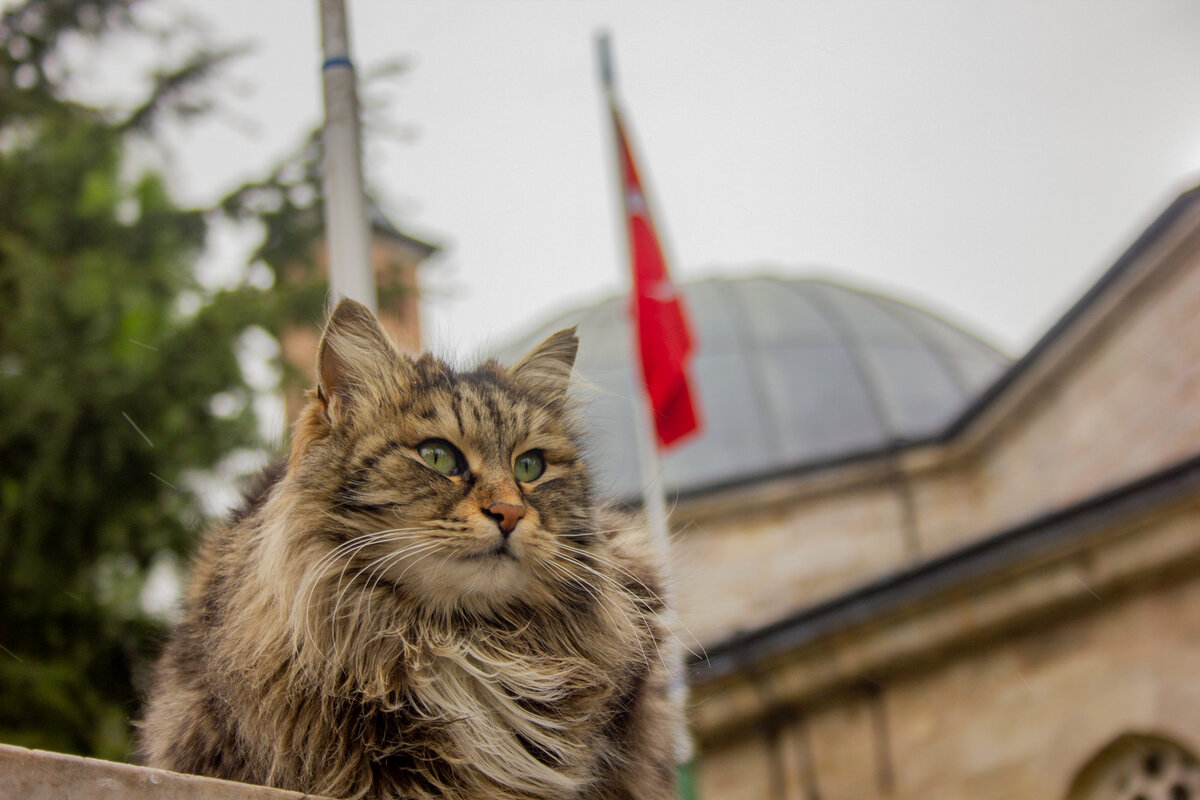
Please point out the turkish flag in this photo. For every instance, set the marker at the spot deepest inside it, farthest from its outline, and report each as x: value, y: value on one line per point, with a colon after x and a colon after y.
x: 664, y: 336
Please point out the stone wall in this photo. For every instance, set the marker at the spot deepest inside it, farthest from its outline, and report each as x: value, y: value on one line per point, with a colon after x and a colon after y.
x: 751, y: 568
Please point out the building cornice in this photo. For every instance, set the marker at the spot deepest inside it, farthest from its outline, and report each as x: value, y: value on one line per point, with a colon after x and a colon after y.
x: 1072, y: 558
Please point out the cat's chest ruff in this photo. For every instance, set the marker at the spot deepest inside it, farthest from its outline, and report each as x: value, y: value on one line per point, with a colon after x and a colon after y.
x: 522, y: 718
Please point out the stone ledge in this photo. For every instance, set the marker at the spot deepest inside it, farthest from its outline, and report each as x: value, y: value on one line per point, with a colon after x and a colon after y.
x: 39, y: 775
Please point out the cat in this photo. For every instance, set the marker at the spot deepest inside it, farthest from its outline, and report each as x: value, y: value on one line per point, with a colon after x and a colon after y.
x: 425, y: 600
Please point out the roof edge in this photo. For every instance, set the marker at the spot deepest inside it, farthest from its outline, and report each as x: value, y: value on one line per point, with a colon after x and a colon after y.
x: 1111, y: 277
x: 977, y: 408
x: 979, y: 558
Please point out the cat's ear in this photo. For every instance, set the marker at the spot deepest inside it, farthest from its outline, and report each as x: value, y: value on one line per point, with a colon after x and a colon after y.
x: 547, y: 367
x: 354, y: 359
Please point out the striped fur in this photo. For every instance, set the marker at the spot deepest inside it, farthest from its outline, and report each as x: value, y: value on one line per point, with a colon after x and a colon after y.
x: 362, y: 630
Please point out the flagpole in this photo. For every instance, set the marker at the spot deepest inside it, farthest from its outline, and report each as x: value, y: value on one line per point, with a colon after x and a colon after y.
x: 653, y: 489
x: 346, y: 231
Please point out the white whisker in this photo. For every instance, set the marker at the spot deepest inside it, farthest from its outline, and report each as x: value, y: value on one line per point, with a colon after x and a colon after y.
x: 619, y: 587
x: 576, y: 581
x: 666, y: 606
x: 348, y: 549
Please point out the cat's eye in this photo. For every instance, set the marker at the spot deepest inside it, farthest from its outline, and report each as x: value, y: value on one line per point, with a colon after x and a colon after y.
x: 442, y: 456
x: 529, y: 466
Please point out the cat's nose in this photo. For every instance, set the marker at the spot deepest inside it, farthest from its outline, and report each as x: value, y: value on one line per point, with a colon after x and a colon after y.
x: 506, y: 515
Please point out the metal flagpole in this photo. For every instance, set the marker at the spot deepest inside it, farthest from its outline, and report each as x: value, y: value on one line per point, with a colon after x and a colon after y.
x: 651, y: 466
x: 653, y: 490
x: 346, y: 232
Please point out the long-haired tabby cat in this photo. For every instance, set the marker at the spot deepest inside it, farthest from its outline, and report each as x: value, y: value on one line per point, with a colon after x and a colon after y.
x: 426, y: 601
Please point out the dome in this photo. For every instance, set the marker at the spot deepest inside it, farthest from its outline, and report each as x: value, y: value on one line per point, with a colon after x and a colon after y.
x: 787, y: 374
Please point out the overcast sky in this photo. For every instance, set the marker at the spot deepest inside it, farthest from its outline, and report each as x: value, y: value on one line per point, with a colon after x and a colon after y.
x: 985, y: 159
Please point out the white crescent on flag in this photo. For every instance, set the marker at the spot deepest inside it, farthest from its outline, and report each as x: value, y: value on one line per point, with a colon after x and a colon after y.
x: 635, y: 202
x: 662, y: 291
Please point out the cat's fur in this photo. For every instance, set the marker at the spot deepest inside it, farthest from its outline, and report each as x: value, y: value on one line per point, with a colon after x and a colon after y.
x: 362, y: 630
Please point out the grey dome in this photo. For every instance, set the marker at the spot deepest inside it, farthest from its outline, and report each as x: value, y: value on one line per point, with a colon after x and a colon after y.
x: 786, y: 373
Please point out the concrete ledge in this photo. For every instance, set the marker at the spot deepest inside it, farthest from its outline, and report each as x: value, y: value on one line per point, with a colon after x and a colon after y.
x: 38, y: 775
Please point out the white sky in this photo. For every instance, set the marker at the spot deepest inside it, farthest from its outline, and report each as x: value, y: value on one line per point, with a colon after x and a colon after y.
x: 986, y: 159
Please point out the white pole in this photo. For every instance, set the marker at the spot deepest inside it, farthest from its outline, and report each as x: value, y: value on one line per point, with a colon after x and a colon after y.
x: 654, y: 504
x: 346, y: 232
x: 653, y: 490
x: 654, y: 501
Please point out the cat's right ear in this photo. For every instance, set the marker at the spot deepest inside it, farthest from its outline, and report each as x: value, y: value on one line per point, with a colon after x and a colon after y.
x: 354, y: 360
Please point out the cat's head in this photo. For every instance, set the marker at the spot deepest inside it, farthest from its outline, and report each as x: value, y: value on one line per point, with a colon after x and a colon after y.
x: 458, y: 489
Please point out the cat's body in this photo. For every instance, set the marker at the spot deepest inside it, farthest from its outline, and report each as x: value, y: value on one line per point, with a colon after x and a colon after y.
x: 425, y: 603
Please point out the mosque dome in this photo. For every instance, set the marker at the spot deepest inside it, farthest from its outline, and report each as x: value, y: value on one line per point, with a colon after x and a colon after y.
x: 787, y: 374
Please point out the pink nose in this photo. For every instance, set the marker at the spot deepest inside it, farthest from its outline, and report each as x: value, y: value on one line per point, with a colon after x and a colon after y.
x: 506, y: 515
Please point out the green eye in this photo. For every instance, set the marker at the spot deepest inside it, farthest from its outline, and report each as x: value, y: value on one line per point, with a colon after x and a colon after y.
x: 442, y: 456
x: 529, y: 466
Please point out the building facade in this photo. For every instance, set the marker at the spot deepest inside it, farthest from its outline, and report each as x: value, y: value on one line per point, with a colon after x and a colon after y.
x: 1007, y: 609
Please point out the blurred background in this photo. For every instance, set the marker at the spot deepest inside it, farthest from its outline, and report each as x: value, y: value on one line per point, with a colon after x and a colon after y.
x: 939, y: 534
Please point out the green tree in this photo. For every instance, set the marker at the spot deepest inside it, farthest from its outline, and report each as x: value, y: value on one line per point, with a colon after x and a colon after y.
x: 107, y: 379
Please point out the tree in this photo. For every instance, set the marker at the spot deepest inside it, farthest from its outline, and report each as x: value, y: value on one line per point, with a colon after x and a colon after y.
x: 107, y: 379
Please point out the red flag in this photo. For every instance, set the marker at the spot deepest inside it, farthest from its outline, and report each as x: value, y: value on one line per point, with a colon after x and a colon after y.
x: 664, y: 337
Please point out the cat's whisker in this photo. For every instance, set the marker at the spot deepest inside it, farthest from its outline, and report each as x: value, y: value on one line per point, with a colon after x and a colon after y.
x: 313, y: 578
x: 638, y: 600
x: 348, y: 549
x: 400, y: 577
x: 665, y: 605
x: 612, y: 562
x: 393, y: 556
x: 348, y: 623
x: 639, y: 619
x: 382, y: 565
x: 366, y: 539
x: 599, y: 601
x: 374, y: 578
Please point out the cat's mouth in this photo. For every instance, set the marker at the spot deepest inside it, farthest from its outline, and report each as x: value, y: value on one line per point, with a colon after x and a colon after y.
x: 501, y: 550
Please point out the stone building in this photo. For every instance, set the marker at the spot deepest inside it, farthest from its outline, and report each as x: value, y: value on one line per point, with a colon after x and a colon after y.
x: 918, y: 570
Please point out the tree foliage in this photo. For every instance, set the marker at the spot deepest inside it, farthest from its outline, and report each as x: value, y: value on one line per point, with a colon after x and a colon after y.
x: 107, y: 378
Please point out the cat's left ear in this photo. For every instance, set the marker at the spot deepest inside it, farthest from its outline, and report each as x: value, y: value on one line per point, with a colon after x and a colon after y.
x: 547, y: 367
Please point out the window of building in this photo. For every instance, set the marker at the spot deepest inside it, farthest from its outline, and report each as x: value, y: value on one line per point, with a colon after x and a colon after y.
x: 1139, y: 767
